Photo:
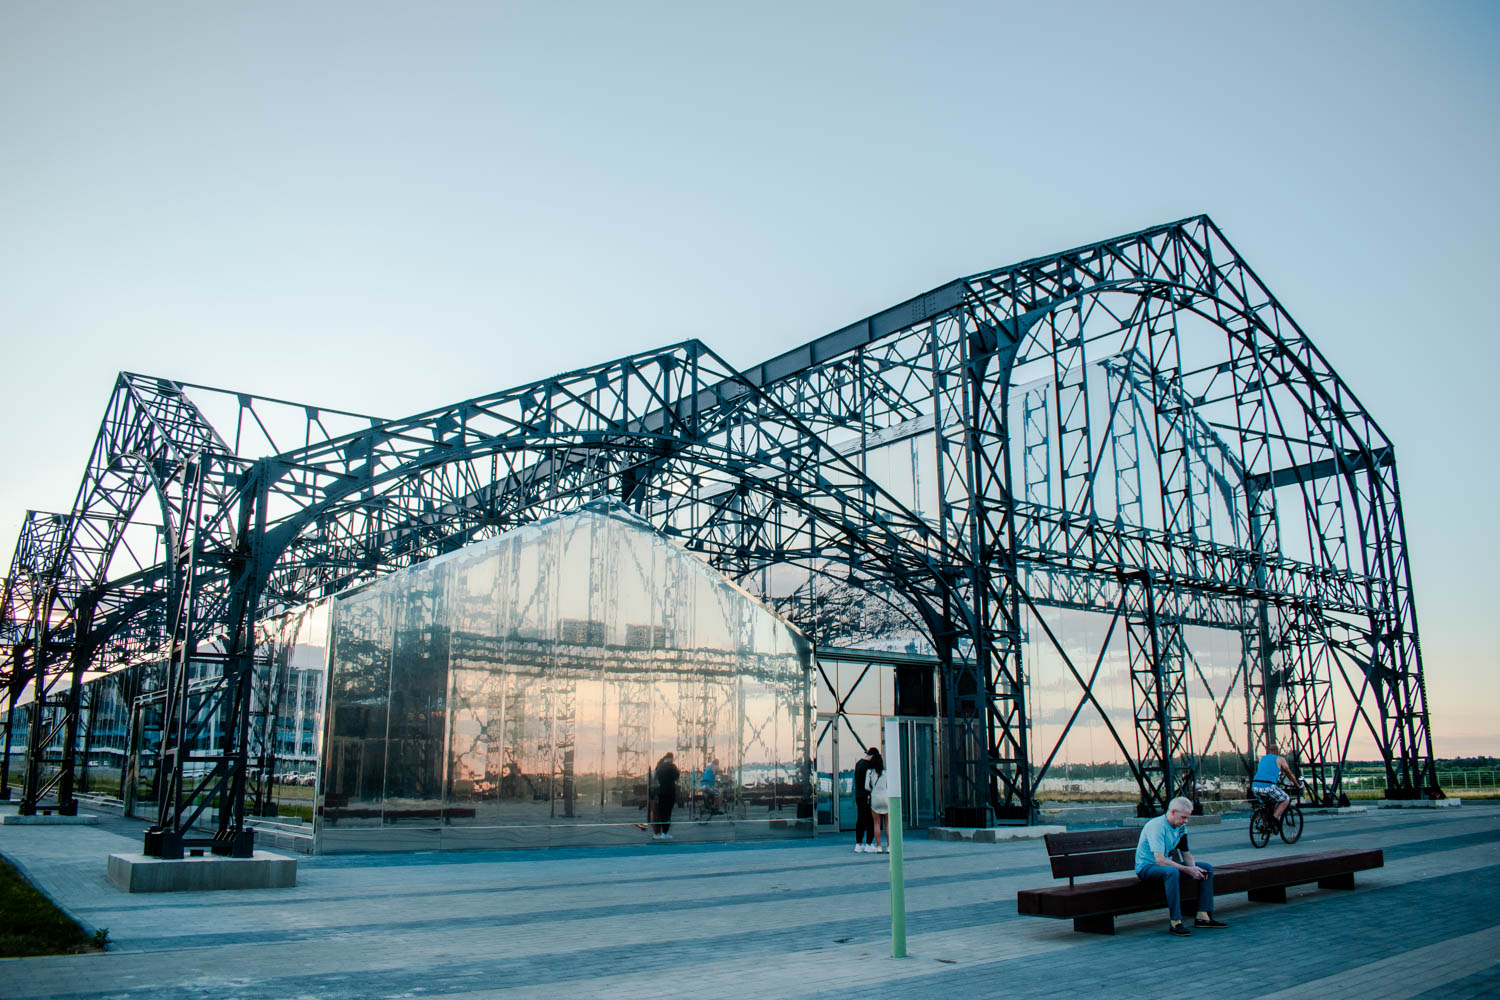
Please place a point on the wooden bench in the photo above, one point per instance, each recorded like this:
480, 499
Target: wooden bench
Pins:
1093, 906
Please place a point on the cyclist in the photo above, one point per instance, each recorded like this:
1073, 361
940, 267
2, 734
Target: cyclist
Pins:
708, 784
1265, 783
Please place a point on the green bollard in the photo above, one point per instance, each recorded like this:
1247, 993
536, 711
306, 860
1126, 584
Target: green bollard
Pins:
893, 831
898, 883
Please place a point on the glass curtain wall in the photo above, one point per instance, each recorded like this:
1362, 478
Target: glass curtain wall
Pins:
525, 691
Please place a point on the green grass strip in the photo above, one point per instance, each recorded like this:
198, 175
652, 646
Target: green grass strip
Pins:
31, 925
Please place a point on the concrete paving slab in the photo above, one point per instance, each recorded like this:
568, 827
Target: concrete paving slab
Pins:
49, 819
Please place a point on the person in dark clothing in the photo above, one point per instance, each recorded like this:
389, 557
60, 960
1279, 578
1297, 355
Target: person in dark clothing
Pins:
666, 797
864, 823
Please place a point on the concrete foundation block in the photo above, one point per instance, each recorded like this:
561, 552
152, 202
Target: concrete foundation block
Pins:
1419, 803
1070, 814
1197, 819
992, 834
139, 873
82, 819
1000, 834
1333, 810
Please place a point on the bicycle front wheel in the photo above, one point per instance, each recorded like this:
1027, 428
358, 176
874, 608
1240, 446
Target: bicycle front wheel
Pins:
1291, 825
1259, 835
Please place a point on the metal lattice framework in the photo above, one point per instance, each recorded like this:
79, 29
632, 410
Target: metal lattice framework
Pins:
1134, 428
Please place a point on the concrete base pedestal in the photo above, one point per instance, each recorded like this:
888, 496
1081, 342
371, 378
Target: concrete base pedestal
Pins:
139, 873
1197, 819
1419, 803
991, 834
50, 819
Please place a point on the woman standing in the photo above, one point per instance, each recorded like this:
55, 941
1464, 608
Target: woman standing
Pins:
864, 822
666, 796
880, 800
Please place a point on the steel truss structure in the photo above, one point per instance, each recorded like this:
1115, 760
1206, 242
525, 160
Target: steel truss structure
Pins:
1134, 428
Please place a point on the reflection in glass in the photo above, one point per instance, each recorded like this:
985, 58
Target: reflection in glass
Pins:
353, 771
519, 692
286, 711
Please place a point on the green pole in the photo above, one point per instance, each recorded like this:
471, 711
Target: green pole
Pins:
898, 883
893, 824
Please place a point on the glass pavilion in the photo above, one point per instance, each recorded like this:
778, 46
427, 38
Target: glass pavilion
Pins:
521, 691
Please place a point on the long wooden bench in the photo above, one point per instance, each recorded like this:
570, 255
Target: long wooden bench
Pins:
1094, 905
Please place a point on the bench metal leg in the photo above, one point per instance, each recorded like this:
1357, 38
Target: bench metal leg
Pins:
1094, 925
1344, 881
1271, 894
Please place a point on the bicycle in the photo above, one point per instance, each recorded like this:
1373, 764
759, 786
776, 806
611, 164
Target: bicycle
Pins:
713, 802
1263, 821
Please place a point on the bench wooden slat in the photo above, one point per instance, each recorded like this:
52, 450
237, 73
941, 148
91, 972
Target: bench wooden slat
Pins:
1078, 865
1086, 841
1295, 870
1112, 896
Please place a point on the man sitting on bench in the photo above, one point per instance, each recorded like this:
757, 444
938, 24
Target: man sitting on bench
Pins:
1159, 838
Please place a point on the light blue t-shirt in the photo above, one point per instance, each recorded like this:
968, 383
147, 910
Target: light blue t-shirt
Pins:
1157, 837
1268, 772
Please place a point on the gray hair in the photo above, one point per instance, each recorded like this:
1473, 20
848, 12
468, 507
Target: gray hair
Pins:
1181, 804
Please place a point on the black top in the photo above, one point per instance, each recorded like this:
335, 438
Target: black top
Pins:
861, 793
666, 780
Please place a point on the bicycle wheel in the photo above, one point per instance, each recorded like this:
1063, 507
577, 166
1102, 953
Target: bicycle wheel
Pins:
1259, 835
1291, 825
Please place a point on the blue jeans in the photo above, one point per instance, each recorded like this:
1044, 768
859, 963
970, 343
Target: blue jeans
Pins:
1171, 880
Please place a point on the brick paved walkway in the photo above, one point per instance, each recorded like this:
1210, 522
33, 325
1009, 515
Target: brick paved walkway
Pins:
806, 919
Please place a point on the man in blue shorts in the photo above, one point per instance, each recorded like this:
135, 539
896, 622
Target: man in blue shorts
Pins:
1160, 837
1265, 783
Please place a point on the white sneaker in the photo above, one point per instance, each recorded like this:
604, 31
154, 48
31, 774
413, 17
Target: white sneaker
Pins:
666, 836
859, 848
885, 850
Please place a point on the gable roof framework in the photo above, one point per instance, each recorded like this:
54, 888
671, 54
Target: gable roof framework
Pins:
1156, 358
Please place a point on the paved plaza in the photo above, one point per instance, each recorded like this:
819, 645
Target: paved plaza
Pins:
791, 919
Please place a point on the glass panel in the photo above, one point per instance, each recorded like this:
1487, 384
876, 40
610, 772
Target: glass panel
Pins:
146, 759
827, 801
286, 730
418, 699
918, 803
924, 744
353, 779
476, 758
885, 679
859, 685
823, 675
856, 735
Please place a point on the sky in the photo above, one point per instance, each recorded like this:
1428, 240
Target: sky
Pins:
387, 207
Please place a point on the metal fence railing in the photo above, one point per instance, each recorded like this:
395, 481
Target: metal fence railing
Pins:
1468, 779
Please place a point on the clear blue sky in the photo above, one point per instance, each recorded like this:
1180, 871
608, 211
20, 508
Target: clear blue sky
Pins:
387, 207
